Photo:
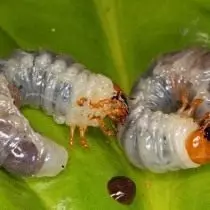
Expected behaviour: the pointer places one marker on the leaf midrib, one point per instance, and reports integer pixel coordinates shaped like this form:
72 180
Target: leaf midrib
109 24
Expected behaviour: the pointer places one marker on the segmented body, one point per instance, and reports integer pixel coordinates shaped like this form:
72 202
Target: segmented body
23 151
155 132
65 89
56 83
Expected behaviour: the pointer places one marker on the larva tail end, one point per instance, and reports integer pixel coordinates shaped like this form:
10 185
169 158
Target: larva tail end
83 140
71 138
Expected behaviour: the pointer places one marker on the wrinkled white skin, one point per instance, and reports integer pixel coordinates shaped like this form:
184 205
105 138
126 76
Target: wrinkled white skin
55 160
94 87
33 71
154 134
52 158
193 66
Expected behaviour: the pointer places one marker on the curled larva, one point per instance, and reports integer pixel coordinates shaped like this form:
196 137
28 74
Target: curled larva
168 126
24 152
66 90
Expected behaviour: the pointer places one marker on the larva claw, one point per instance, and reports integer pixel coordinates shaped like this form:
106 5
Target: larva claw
71 140
82 131
83 140
187 109
184 100
192 108
83 143
184 110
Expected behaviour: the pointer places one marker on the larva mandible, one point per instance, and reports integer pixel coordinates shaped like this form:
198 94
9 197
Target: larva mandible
168 126
24 152
66 90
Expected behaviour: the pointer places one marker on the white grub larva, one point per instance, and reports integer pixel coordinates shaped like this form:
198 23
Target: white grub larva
66 90
24 152
168 126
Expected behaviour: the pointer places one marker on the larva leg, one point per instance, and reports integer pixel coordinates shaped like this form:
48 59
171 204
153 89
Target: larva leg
103 127
15 92
105 130
71 140
193 106
83 140
184 110
184 100
205 120
189 112
100 104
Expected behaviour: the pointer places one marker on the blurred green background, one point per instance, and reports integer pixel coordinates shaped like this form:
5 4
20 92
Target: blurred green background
118 38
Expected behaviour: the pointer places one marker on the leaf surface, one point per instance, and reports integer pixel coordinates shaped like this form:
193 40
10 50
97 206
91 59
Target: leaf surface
119 39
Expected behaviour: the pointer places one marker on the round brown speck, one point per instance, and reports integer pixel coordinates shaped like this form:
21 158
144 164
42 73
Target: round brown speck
122 189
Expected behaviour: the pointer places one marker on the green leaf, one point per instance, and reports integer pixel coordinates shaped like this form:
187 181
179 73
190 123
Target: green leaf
118 38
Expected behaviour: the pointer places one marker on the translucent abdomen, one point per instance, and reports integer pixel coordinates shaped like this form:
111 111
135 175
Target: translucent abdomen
23 151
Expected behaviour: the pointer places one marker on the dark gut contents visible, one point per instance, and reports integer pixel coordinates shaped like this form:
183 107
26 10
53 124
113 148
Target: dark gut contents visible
20 155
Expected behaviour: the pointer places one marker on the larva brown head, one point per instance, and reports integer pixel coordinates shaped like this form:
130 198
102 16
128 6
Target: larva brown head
198 146
118 109
115 108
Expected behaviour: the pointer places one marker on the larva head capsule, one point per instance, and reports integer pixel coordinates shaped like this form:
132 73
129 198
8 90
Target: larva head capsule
198 145
118 106
114 107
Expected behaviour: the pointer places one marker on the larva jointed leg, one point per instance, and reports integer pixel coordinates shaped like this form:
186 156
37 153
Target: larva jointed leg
83 140
112 108
205 121
188 109
179 86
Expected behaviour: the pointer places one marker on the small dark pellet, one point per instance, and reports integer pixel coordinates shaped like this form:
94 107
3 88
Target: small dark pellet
122 189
